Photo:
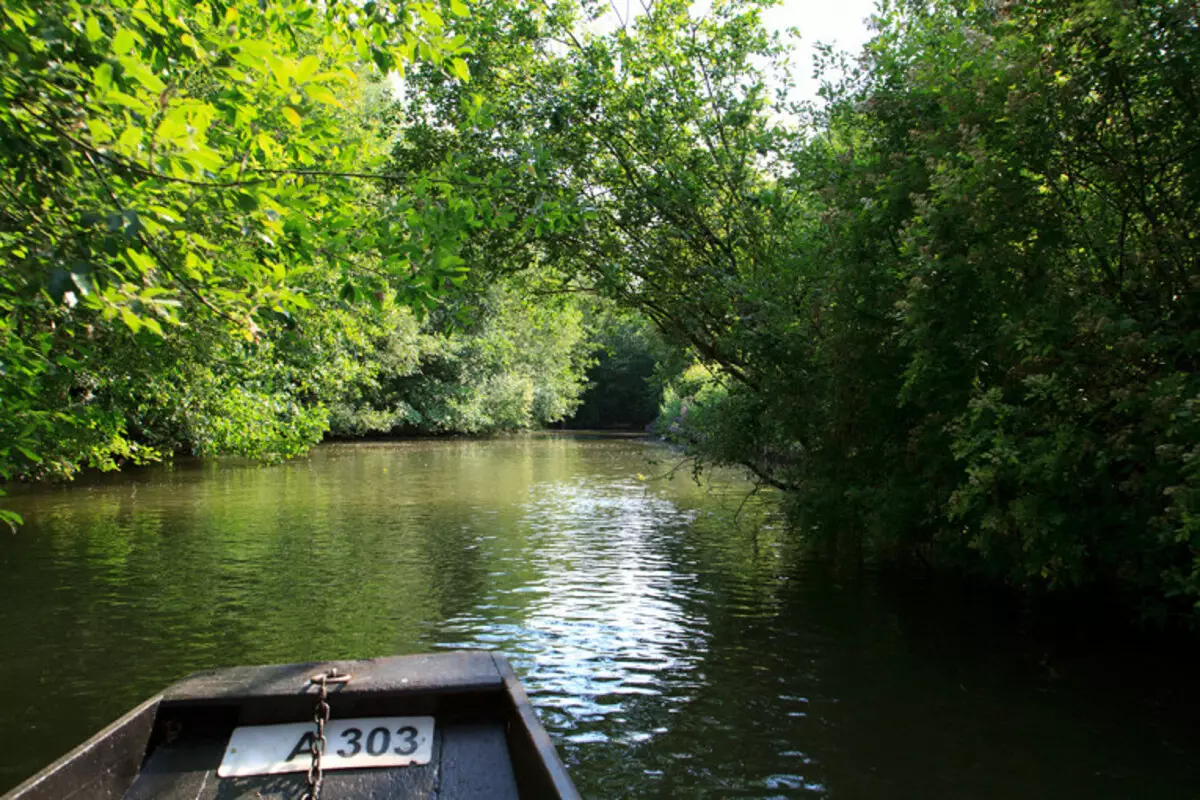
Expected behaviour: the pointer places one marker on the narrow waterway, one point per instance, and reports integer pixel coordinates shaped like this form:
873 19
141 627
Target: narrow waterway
674 642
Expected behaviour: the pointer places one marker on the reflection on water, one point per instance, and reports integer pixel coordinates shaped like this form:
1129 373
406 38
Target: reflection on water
606 622
673 642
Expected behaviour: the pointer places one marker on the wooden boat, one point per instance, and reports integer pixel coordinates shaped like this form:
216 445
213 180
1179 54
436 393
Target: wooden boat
446 726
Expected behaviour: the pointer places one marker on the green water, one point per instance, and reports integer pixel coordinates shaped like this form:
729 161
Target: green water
673 641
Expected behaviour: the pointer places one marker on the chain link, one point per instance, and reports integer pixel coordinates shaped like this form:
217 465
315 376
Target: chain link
320 719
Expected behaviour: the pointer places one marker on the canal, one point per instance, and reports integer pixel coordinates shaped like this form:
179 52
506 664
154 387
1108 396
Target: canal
675 639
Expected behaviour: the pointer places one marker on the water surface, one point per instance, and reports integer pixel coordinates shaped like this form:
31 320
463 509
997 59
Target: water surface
674 642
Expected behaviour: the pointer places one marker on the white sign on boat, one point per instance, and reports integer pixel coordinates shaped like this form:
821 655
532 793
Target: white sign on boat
350 744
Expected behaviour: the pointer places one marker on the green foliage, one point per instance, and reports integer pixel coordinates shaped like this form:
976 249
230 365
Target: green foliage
517 365
690 404
171 171
1034 189
952 309
998 336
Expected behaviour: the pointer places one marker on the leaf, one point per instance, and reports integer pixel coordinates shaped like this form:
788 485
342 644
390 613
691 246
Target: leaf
140 261
131 320
204 159
255 47
131 138
143 75
82 278
149 21
11 518
249 61
461 69
151 324
93 29
306 69
195 265
100 130
165 213
102 76
322 95
200 241
383 59
124 41
128 101
432 18
292 116
459 8
282 69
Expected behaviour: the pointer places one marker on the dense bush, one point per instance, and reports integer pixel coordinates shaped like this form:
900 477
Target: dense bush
985 340
173 173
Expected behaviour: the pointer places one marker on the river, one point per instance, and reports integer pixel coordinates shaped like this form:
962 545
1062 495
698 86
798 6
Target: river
674 639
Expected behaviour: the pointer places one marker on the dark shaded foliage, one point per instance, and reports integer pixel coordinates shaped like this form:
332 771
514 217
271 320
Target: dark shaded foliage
626 382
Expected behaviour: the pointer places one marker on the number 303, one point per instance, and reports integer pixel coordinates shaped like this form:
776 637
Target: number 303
379 740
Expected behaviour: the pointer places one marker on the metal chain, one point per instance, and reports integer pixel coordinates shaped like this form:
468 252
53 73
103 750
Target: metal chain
317 747
320 719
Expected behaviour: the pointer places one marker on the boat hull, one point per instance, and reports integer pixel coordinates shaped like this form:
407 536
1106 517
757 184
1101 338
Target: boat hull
488 742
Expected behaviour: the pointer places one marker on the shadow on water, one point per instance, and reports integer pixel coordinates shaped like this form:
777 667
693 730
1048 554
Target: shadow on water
674 640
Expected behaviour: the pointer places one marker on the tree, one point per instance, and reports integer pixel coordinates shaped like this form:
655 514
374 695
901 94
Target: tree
173 168
489 360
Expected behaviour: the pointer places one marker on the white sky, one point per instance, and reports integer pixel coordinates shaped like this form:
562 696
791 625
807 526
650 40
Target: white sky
842 23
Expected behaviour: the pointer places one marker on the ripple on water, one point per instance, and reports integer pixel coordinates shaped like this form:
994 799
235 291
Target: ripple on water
604 622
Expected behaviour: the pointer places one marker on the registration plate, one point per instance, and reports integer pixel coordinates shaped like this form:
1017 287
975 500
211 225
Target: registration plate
350 744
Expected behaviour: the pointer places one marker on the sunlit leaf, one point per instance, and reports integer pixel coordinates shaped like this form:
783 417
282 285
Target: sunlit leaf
124 41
